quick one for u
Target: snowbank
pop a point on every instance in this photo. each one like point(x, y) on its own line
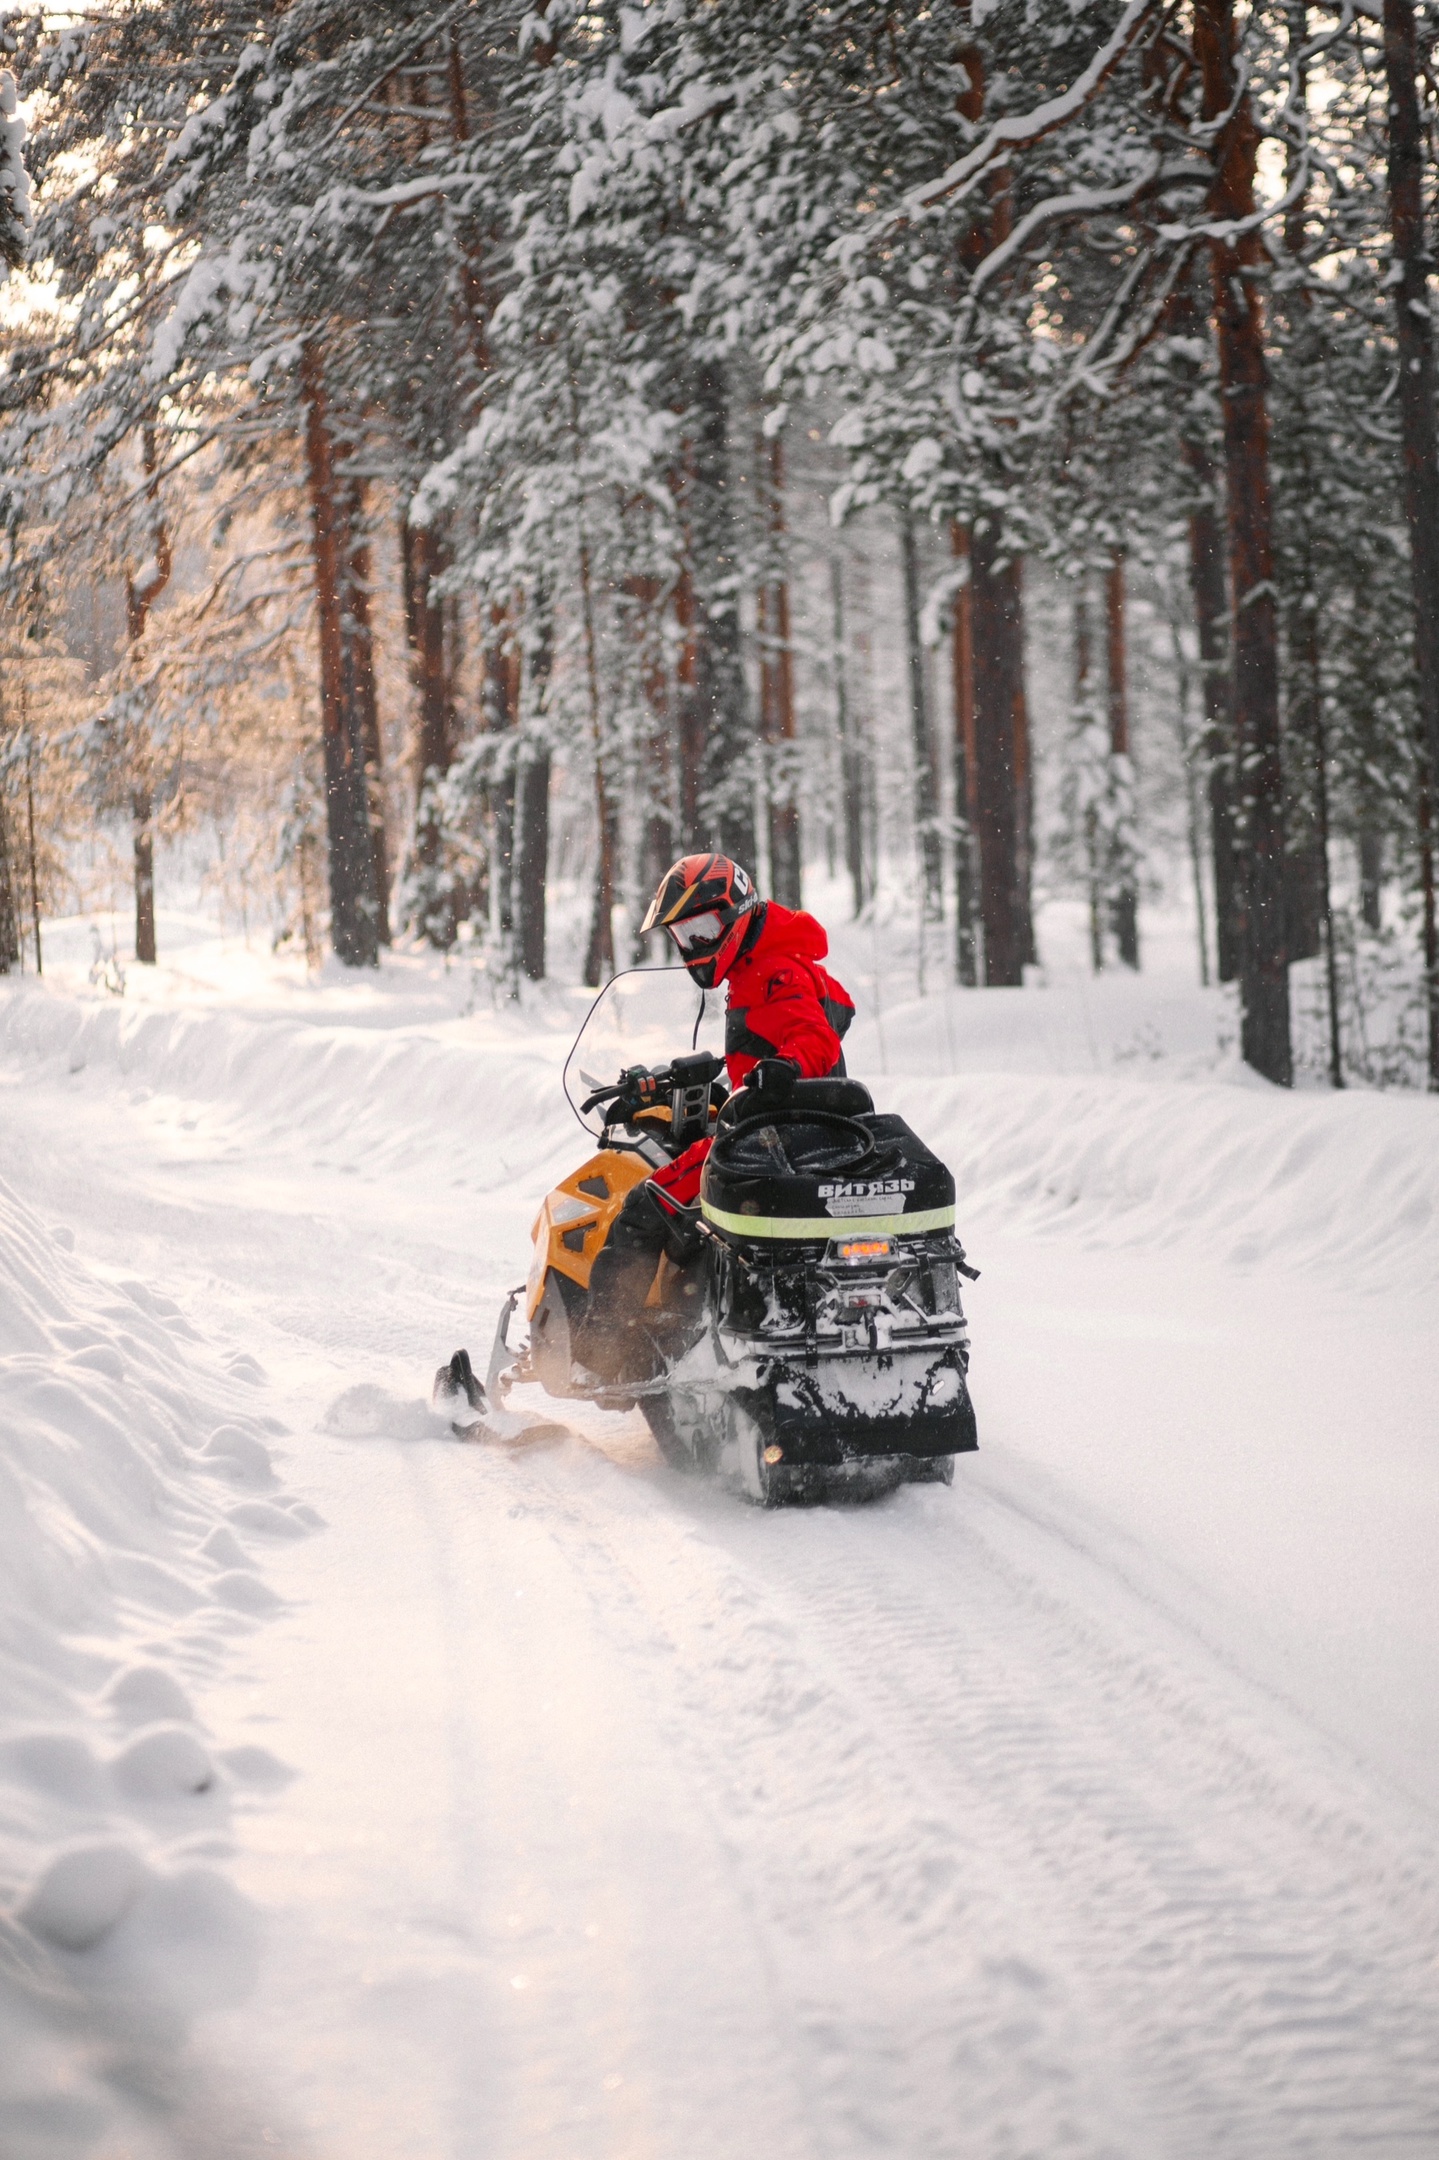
point(1346, 1185)
point(1158, 1152)
point(136, 1494)
point(333, 1093)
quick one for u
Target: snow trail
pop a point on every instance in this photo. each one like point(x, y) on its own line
point(1088, 1807)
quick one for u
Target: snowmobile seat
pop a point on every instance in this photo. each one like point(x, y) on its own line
point(835, 1097)
point(839, 1097)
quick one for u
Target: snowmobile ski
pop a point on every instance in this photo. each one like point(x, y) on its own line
point(473, 1413)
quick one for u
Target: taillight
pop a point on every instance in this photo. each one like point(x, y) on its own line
point(857, 1248)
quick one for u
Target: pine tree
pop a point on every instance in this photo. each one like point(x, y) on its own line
point(15, 218)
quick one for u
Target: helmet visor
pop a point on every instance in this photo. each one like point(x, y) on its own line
point(698, 933)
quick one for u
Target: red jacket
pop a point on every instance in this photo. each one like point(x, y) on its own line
point(782, 1003)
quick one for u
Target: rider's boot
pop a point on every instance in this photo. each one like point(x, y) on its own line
point(611, 1339)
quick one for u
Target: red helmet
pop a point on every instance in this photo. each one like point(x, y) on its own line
point(705, 902)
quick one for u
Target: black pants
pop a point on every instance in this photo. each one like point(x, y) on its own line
point(611, 1340)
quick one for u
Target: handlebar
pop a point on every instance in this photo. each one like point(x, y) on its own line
point(640, 1088)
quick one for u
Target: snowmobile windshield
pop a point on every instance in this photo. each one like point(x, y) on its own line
point(647, 1016)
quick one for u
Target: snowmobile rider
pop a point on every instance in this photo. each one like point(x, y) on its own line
point(784, 1022)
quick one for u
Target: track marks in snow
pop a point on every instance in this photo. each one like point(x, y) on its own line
point(923, 1998)
point(1113, 1895)
point(1221, 1873)
point(516, 1887)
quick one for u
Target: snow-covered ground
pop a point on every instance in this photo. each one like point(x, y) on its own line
point(364, 1794)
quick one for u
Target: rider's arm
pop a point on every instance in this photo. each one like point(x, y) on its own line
point(789, 1016)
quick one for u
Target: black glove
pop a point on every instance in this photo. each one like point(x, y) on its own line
point(772, 1082)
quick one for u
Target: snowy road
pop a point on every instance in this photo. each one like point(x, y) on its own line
point(1087, 1808)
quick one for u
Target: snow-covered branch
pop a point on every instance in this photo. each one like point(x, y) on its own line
point(1079, 202)
point(407, 52)
point(1018, 131)
point(15, 213)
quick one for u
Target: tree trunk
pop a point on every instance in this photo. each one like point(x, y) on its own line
point(997, 629)
point(9, 912)
point(500, 683)
point(657, 848)
point(600, 952)
point(777, 698)
point(422, 559)
point(142, 832)
point(928, 849)
point(139, 599)
point(1211, 612)
point(1124, 895)
point(997, 763)
point(517, 797)
point(1371, 876)
point(1416, 395)
point(1191, 801)
point(1237, 267)
point(532, 859)
point(532, 810)
point(1303, 870)
point(723, 721)
point(502, 713)
point(1309, 905)
point(690, 721)
point(473, 303)
point(1430, 920)
point(1209, 589)
point(961, 651)
point(1023, 775)
point(34, 859)
point(600, 947)
point(851, 752)
point(1305, 867)
point(1326, 894)
point(1093, 864)
point(430, 671)
point(354, 896)
point(359, 661)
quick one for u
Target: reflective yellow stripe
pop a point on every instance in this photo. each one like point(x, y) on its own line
point(829, 1226)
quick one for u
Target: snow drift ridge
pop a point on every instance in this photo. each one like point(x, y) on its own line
point(1347, 1184)
point(134, 1466)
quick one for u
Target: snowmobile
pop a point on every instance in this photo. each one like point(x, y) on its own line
point(811, 1342)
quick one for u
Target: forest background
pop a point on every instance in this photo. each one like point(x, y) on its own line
point(456, 456)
